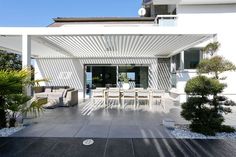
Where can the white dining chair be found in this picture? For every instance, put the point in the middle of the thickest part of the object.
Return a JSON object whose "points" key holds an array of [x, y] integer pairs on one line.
{"points": [[113, 94], [99, 94], [143, 95], [158, 95], [129, 94]]}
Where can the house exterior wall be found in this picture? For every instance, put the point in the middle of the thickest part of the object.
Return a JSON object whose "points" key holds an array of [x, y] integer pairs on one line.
{"points": [[218, 18], [70, 72], [214, 16]]}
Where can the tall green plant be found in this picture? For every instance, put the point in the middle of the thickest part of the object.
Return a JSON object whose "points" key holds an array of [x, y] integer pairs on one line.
{"points": [[205, 105], [10, 61], [14, 105], [211, 48], [11, 82], [216, 66]]}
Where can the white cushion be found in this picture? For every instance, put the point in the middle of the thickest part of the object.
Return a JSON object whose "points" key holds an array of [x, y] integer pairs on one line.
{"points": [[48, 90]]}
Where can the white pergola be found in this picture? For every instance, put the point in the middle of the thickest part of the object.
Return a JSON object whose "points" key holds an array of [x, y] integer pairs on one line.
{"points": [[98, 41], [95, 41]]}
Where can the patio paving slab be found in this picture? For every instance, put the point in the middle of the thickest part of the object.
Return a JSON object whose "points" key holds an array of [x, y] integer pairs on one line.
{"points": [[63, 130], [73, 147], [12, 147], [119, 148], [122, 131], [37, 148], [103, 123], [94, 131], [154, 131], [156, 147], [106, 147]]}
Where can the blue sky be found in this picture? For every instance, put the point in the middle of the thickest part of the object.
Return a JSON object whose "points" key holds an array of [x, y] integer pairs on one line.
{"points": [[41, 12]]}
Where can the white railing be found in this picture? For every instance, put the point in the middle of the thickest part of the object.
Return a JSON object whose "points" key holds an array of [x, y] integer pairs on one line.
{"points": [[166, 20]]}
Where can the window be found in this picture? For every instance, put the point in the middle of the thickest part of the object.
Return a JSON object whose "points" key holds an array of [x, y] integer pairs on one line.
{"points": [[192, 58], [175, 62]]}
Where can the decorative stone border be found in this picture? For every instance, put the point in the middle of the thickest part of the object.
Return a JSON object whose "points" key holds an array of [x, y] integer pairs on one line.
{"points": [[9, 131]]}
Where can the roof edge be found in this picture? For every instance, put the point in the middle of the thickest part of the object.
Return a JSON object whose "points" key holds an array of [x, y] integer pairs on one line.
{"points": [[101, 19]]}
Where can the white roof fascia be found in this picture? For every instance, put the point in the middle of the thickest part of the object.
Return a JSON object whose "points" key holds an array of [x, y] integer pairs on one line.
{"points": [[91, 30]]}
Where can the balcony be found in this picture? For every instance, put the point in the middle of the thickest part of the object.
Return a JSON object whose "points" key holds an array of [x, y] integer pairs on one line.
{"points": [[166, 20]]}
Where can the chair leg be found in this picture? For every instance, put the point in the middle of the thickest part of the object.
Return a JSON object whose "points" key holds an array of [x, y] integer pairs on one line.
{"points": [[150, 105], [123, 103], [163, 103], [118, 103], [134, 104], [104, 103], [107, 102], [138, 103]]}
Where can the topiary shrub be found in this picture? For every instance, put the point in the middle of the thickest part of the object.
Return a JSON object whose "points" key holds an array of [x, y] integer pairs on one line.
{"points": [[204, 107]]}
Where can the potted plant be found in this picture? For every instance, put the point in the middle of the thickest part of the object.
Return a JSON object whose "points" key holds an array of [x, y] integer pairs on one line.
{"points": [[14, 106], [36, 86], [125, 81], [18, 105]]}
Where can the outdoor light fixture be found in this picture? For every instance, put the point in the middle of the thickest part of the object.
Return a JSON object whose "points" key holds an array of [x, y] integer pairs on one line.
{"points": [[88, 142]]}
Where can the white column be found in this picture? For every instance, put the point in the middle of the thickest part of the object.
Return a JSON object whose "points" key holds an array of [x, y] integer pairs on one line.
{"points": [[26, 51], [26, 57]]}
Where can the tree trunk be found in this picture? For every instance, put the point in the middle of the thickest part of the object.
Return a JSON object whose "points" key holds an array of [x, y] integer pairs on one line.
{"points": [[12, 122]]}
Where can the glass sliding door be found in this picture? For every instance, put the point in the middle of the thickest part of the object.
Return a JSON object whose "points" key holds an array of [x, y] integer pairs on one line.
{"points": [[137, 75], [114, 75], [104, 76], [100, 76]]}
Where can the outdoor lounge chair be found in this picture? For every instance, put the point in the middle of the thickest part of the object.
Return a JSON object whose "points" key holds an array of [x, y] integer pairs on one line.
{"points": [[59, 97], [70, 97]]}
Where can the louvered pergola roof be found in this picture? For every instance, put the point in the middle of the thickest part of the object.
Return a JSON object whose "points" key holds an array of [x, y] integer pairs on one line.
{"points": [[97, 41]]}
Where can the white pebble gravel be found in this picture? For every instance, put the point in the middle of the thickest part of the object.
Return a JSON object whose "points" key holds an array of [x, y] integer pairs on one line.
{"points": [[187, 134], [9, 131]]}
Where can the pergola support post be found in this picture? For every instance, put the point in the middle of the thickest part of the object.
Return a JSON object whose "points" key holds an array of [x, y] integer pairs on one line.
{"points": [[26, 59]]}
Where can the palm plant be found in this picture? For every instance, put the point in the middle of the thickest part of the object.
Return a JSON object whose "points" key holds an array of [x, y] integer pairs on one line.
{"points": [[12, 99], [11, 82], [15, 106], [19, 104]]}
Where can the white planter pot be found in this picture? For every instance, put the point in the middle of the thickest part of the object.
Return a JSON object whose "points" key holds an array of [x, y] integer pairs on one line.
{"points": [[126, 86]]}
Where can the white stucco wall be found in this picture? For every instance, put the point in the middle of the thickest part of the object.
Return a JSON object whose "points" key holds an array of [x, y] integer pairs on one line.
{"points": [[70, 72], [218, 18]]}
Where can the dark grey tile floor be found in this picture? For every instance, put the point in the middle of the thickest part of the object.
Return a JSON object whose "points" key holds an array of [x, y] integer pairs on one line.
{"points": [[92, 120], [103, 147], [86, 121]]}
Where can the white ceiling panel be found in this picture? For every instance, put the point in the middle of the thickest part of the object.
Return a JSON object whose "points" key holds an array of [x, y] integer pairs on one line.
{"points": [[120, 45], [125, 45]]}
